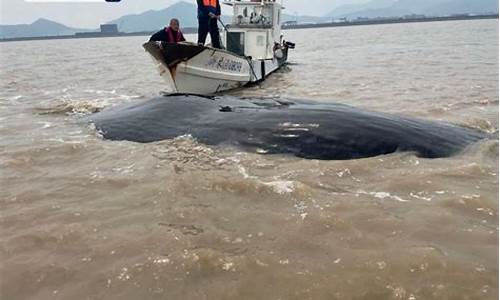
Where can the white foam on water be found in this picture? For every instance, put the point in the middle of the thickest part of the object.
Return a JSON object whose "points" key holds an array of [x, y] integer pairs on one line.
{"points": [[261, 151], [383, 195], [161, 260], [58, 140], [75, 107], [100, 92], [420, 196], [14, 98], [124, 275], [297, 129], [281, 187], [124, 170], [343, 173], [244, 172], [45, 125], [286, 135], [290, 125], [278, 186]]}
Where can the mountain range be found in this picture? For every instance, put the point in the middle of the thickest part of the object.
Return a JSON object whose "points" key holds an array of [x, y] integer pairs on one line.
{"points": [[186, 12], [41, 27], [397, 8], [155, 19]]}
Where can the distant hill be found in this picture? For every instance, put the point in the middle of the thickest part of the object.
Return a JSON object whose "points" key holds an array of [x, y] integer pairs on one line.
{"points": [[466, 6], [349, 9], [397, 8], [152, 20], [41, 27], [304, 19]]}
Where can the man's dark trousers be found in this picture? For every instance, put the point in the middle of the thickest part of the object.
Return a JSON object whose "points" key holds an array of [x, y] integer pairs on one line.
{"points": [[206, 25]]}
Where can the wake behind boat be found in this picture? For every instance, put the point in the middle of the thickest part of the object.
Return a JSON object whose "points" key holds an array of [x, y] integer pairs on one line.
{"points": [[254, 48]]}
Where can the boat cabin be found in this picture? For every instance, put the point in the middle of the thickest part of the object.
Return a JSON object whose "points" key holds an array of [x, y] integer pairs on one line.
{"points": [[255, 29]]}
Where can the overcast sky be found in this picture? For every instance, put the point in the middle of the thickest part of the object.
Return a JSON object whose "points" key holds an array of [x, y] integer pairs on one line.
{"points": [[91, 14]]}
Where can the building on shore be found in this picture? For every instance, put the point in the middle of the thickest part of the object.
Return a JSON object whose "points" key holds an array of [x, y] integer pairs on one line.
{"points": [[109, 28], [106, 30]]}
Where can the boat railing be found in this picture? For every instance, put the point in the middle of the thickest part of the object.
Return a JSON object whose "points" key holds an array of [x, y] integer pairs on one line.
{"points": [[253, 14]]}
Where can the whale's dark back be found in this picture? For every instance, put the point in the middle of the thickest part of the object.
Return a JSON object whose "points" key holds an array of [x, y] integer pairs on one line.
{"points": [[303, 128]]}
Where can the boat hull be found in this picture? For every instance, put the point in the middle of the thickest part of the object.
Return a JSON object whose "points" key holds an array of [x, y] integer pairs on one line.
{"points": [[194, 69]]}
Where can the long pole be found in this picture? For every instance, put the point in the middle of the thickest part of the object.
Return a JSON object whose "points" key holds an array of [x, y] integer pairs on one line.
{"points": [[223, 25]]}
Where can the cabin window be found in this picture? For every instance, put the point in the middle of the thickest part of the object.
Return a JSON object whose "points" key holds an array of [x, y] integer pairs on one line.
{"points": [[236, 42]]}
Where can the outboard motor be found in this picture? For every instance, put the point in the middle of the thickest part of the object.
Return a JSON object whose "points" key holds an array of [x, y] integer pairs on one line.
{"points": [[289, 45]]}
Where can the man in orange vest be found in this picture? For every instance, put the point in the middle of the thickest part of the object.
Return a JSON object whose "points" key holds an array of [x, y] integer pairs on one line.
{"points": [[208, 15]]}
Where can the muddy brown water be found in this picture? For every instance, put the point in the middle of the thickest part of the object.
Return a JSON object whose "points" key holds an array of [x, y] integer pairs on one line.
{"points": [[86, 218]]}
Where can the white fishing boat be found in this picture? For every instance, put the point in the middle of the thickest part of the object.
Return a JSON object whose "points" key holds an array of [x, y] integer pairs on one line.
{"points": [[254, 48]]}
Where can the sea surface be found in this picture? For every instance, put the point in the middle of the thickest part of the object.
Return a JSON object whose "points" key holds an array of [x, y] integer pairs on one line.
{"points": [[86, 218]]}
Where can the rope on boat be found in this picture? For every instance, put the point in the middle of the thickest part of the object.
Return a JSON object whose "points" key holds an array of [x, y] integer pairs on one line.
{"points": [[250, 64]]}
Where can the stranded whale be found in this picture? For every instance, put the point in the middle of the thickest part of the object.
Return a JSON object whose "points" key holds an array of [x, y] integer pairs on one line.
{"points": [[305, 129]]}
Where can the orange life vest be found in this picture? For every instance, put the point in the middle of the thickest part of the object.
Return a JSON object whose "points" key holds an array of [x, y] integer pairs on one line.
{"points": [[210, 3]]}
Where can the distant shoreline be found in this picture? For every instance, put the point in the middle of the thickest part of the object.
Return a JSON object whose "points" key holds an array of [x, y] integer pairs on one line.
{"points": [[189, 30], [391, 21], [89, 35]]}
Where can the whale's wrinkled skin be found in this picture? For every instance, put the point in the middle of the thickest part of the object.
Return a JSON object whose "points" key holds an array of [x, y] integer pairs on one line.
{"points": [[302, 128]]}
